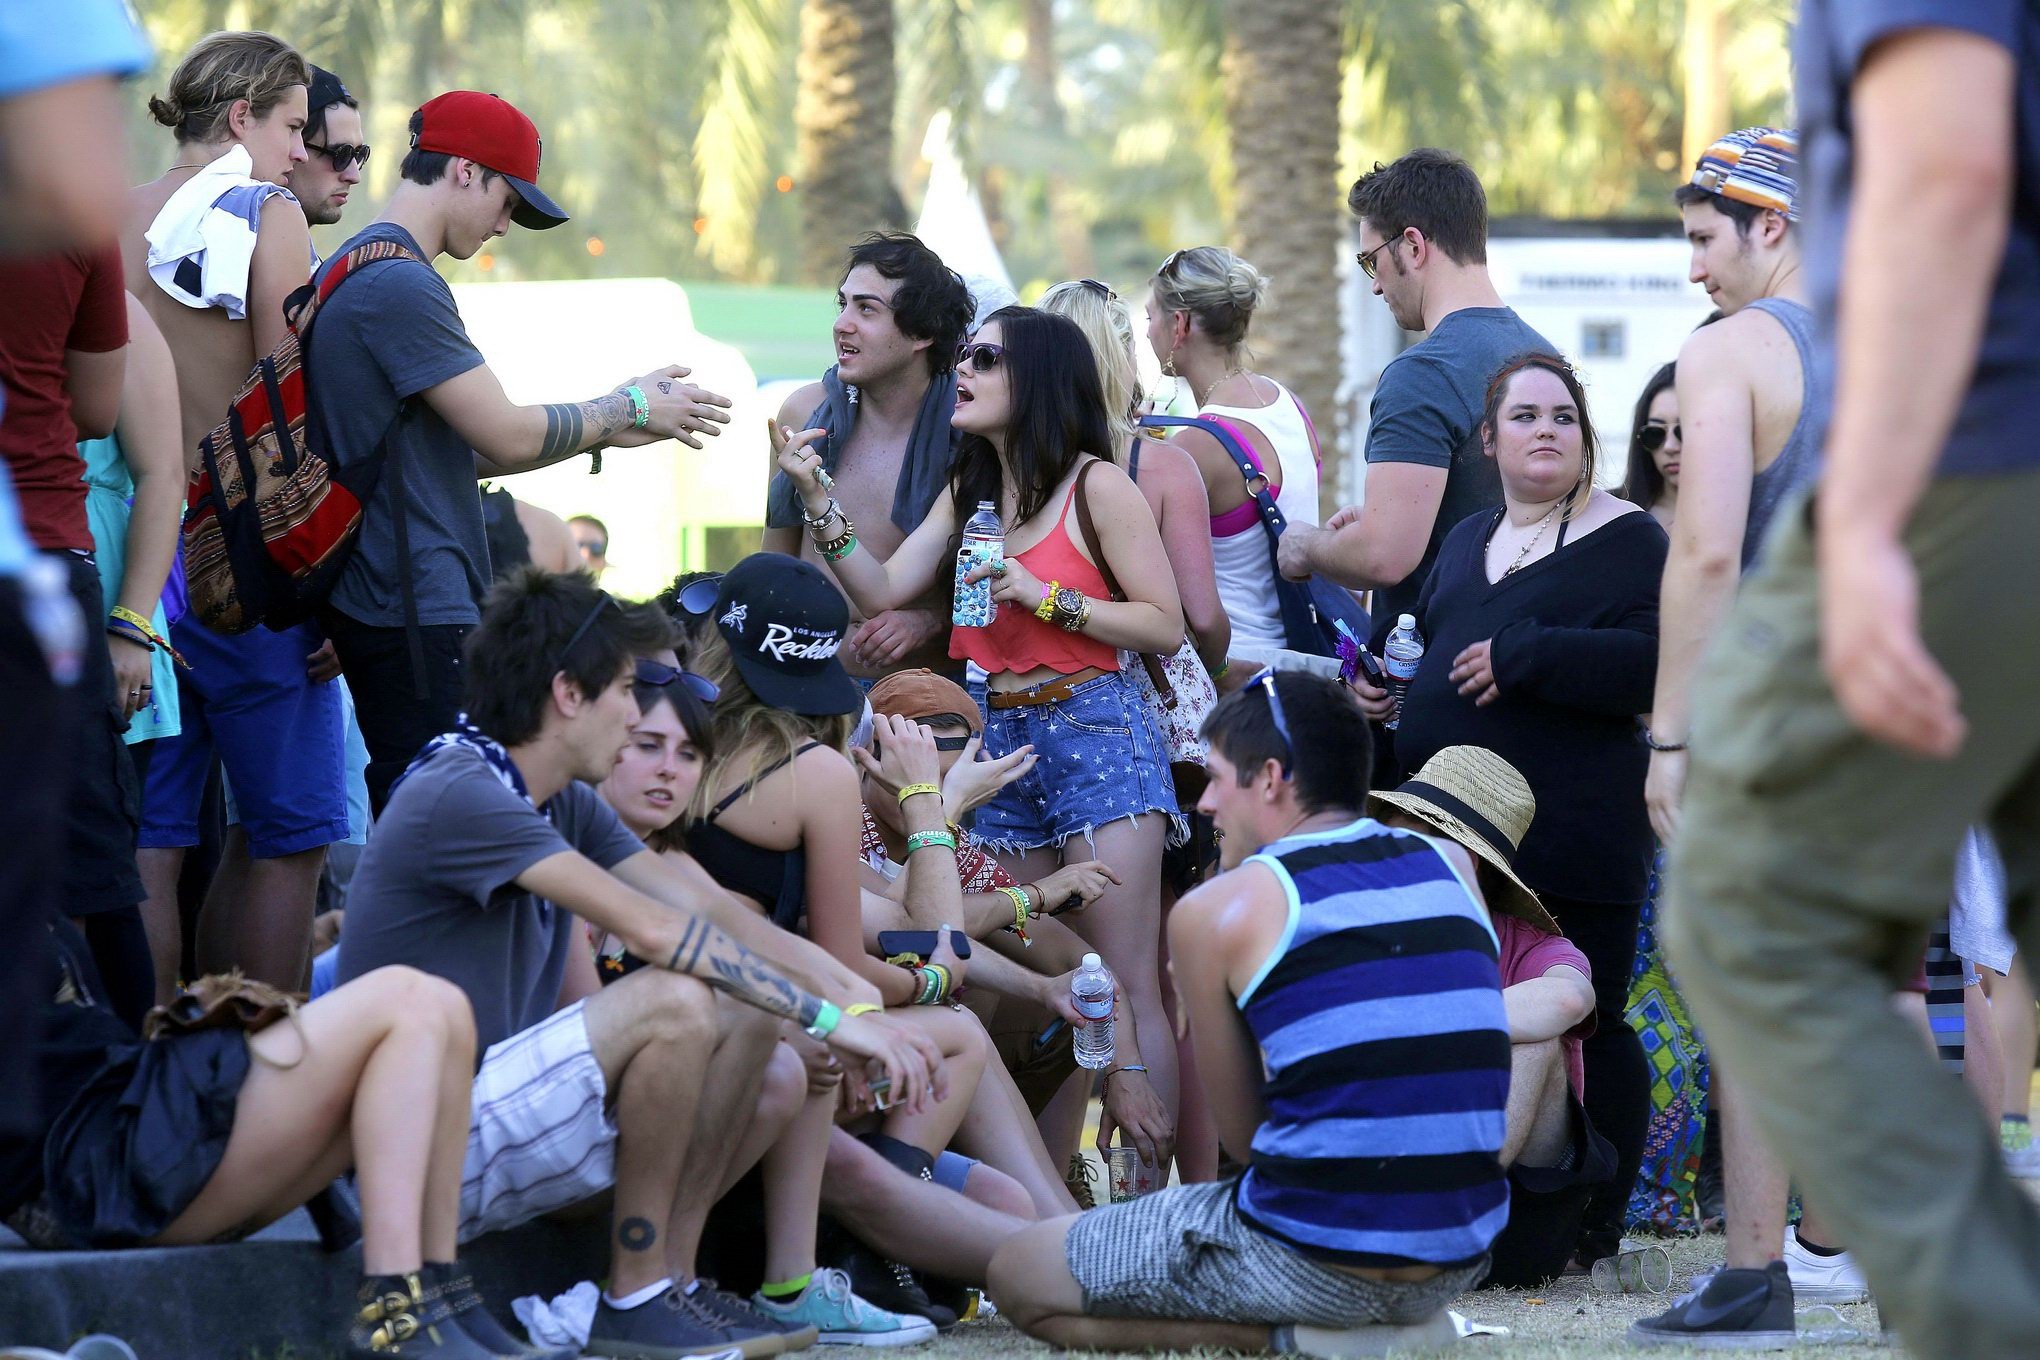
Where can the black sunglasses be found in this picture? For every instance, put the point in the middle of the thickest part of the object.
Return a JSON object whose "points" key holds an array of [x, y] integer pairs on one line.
{"points": [[659, 675], [607, 601], [956, 741], [1365, 259], [1267, 682], [696, 599], [982, 356], [1651, 438], [342, 155], [1101, 289]]}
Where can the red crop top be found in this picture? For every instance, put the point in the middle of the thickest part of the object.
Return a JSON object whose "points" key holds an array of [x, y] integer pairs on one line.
{"points": [[1016, 641]]}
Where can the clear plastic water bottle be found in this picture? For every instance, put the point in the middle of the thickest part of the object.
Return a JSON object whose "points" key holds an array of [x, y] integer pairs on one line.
{"points": [[984, 540], [1091, 992], [1399, 657]]}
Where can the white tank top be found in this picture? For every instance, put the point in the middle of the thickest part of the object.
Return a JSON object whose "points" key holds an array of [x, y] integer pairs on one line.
{"points": [[1246, 576]]}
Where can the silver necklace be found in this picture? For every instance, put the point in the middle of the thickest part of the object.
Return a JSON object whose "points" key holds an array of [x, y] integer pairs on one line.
{"points": [[1535, 539]]}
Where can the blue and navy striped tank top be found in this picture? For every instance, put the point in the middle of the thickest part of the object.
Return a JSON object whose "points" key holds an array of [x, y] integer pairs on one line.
{"points": [[1385, 1050]]}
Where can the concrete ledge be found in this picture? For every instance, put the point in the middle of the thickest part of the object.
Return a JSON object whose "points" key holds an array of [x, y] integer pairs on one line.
{"points": [[273, 1296]]}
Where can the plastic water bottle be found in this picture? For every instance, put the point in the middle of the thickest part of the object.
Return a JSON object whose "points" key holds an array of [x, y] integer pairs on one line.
{"points": [[984, 540], [1399, 657], [1091, 992]]}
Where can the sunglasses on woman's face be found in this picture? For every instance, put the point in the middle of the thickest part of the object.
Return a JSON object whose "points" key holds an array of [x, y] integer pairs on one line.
{"points": [[982, 356], [659, 675], [1651, 438]]}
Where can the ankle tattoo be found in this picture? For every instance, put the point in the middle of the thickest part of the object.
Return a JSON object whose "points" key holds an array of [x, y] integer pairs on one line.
{"points": [[637, 1234]]}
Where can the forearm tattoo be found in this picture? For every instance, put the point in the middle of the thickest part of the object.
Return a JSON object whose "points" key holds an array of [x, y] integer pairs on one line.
{"points": [[706, 952], [573, 426]]}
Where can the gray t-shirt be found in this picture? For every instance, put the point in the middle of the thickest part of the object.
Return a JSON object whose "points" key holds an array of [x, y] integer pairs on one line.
{"points": [[1993, 429], [390, 332], [436, 888], [1427, 410]]}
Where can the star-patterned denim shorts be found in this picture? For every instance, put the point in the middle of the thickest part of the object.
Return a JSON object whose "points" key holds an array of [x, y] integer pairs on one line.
{"points": [[1098, 757]]}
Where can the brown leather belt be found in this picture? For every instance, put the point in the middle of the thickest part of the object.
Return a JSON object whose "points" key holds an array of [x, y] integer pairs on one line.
{"points": [[1047, 692]]}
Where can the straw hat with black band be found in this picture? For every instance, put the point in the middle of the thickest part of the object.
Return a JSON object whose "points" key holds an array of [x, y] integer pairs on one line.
{"points": [[1480, 800]]}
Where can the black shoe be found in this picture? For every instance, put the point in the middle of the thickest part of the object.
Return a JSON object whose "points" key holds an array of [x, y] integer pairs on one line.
{"points": [[1710, 1203], [670, 1327], [1733, 1310], [737, 1315], [396, 1318], [453, 1283], [891, 1286], [336, 1214]]}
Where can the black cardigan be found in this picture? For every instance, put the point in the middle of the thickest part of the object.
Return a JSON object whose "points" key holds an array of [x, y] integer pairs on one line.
{"points": [[1575, 661]]}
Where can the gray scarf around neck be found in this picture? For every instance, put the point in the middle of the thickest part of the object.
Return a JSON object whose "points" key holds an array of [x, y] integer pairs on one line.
{"points": [[924, 472]]}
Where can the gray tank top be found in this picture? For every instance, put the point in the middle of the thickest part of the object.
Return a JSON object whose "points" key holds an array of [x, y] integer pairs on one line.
{"points": [[1799, 461]]}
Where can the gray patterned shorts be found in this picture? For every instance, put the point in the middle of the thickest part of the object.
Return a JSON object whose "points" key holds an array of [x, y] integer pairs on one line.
{"points": [[1185, 1253]]}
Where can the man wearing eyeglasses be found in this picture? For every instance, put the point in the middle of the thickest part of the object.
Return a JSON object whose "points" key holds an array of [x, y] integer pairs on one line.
{"points": [[336, 151], [1423, 233]]}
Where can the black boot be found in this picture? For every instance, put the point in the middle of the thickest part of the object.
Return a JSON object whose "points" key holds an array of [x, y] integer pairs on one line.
{"points": [[452, 1282], [395, 1318]]}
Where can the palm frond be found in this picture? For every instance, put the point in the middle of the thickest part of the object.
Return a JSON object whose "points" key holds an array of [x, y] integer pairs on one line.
{"points": [[744, 108]]}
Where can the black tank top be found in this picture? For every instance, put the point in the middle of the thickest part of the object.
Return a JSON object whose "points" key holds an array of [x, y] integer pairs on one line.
{"points": [[775, 878]]}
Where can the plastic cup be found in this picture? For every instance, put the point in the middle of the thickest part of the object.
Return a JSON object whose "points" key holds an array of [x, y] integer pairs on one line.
{"points": [[1646, 1270]]}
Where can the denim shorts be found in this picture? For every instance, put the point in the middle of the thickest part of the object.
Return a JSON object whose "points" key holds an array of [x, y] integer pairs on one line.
{"points": [[1098, 757]]}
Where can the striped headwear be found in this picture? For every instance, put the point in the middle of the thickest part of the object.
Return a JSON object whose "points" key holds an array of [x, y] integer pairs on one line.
{"points": [[1757, 165]]}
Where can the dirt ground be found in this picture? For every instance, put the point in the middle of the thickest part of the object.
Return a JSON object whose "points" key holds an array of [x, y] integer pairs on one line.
{"points": [[1567, 1321]]}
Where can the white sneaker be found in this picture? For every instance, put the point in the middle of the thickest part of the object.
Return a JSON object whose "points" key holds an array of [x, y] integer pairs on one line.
{"points": [[1823, 1279], [2025, 1163]]}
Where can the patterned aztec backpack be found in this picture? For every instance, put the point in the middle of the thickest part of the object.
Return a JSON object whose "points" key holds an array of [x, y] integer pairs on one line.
{"points": [[269, 521]]}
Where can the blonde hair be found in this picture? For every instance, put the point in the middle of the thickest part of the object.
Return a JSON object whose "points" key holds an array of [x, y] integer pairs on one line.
{"points": [[1218, 288], [745, 729], [222, 68], [1107, 323]]}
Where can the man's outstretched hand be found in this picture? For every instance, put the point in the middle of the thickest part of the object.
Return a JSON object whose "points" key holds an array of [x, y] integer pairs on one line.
{"points": [[1883, 675]]}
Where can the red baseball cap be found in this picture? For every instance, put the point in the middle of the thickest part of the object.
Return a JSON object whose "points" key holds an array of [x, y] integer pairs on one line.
{"points": [[489, 130]]}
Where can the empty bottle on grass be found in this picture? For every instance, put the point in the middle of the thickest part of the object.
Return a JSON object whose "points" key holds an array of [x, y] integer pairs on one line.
{"points": [[1091, 993], [984, 541], [1399, 657]]}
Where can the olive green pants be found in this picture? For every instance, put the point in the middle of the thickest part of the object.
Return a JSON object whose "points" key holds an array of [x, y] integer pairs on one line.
{"points": [[1812, 862]]}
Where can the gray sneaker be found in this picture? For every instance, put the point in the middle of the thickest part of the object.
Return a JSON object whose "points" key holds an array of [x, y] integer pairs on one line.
{"points": [[664, 1329], [740, 1315]]}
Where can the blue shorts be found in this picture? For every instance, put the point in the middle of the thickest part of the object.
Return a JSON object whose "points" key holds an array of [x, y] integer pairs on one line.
{"points": [[1098, 758], [278, 734], [358, 818]]}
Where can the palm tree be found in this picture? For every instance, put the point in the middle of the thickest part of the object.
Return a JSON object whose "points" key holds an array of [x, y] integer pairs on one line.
{"points": [[843, 123], [1281, 69]]}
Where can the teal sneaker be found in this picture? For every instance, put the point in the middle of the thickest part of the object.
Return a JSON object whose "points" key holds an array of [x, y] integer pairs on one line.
{"points": [[843, 1319]]}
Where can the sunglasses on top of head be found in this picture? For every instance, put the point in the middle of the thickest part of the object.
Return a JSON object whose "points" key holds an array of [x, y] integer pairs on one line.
{"points": [[696, 599], [341, 155], [659, 675], [981, 355]]}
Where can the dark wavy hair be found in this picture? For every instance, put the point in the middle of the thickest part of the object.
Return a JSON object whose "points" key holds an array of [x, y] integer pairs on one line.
{"points": [[932, 302], [521, 643], [1491, 408], [1058, 413], [1644, 484]]}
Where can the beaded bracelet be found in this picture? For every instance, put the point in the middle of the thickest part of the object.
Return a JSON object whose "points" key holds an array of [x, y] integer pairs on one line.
{"points": [[1046, 609], [640, 408], [922, 840], [909, 790]]}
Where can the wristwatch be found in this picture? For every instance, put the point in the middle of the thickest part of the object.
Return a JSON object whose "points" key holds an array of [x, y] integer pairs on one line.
{"points": [[1069, 607]]}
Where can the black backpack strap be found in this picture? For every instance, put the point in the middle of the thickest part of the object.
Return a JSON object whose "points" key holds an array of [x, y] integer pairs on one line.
{"points": [[407, 581]]}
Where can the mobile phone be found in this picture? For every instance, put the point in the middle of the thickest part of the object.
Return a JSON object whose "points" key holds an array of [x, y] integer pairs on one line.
{"points": [[1048, 1033], [920, 943], [1371, 668]]}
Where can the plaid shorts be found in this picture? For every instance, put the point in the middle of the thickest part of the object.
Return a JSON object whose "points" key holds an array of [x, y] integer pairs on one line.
{"points": [[1185, 1253], [540, 1137]]}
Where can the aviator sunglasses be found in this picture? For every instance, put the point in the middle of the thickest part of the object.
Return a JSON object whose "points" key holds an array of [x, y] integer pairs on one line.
{"points": [[1651, 438]]}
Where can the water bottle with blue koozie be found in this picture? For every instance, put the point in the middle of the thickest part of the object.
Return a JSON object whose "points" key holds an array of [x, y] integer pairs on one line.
{"points": [[1091, 994], [984, 542], [1399, 657]]}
